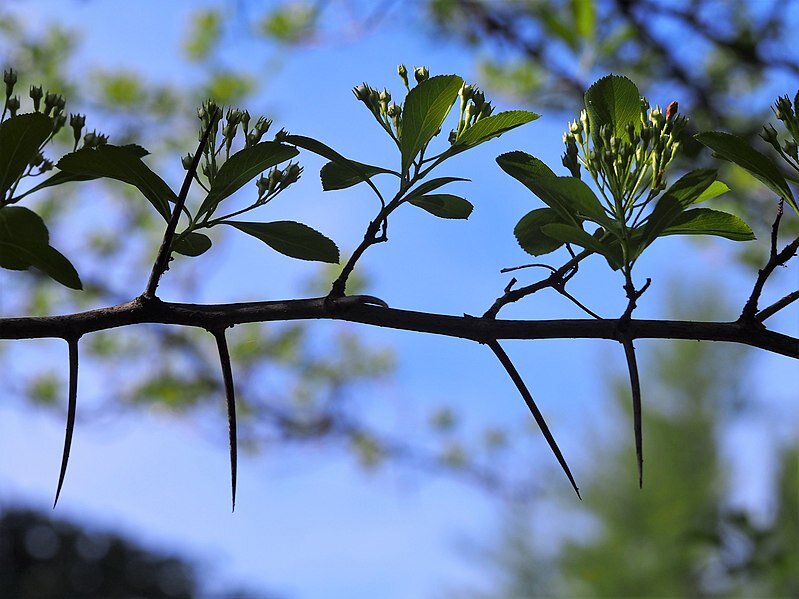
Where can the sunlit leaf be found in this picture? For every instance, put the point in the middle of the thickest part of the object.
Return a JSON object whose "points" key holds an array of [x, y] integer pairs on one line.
{"points": [[704, 221], [490, 127], [614, 101], [426, 106]]}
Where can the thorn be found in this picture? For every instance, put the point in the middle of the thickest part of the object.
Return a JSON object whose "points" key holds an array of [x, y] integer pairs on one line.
{"points": [[528, 399], [227, 377], [635, 387], [71, 409]]}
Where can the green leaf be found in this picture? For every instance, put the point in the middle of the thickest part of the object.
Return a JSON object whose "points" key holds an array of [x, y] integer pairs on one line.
{"points": [[122, 164], [716, 189], [62, 177], [572, 199], [704, 221], [317, 147], [24, 242], [490, 127], [736, 149], [614, 101], [684, 192], [292, 239], [193, 244], [243, 167], [430, 185], [340, 176], [444, 205], [20, 139], [426, 106], [574, 235], [531, 237]]}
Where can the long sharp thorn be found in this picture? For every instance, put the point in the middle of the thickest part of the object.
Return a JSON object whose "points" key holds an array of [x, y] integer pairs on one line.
{"points": [[227, 377], [635, 387], [72, 402], [528, 399]]}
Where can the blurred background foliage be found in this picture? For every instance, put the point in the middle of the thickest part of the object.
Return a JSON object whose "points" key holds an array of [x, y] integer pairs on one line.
{"points": [[725, 59]]}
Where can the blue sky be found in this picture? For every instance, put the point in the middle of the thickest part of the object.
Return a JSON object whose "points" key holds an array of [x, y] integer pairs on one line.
{"points": [[313, 525]]}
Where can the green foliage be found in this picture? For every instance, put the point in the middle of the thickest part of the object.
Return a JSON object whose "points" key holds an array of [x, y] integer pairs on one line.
{"points": [[424, 111], [292, 239], [21, 138], [615, 102], [737, 150], [444, 205]]}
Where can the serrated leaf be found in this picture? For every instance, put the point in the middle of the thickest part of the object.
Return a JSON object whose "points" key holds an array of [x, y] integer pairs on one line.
{"points": [[243, 167], [614, 101], [572, 199], [62, 177], [325, 151], [122, 164], [704, 221], [490, 127], [684, 192], [339, 176], [20, 139], [431, 185], [576, 236], [530, 236], [425, 108], [193, 244], [737, 150], [292, 239], [444, 205], [24, 242]]}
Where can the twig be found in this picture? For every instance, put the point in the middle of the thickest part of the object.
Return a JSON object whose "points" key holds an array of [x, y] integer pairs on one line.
{"points": [[162, 259], [777, 306], [528, 399], [72, 402]]}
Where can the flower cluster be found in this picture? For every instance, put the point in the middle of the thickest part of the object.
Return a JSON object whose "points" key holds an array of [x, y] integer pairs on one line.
{"points": [[625, 166], [473, 107]]}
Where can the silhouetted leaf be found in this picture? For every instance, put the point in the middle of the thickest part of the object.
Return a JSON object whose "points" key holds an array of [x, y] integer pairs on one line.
{"points": [[292, 239], [430, 185], [20, 139], [444, 205], [241, 168], [122, 164], [530, 236], [24, 242], [737, 150], [340, 176], [193, 244]]}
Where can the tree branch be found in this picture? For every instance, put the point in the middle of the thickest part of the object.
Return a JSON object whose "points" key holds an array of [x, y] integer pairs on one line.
{"points": [[364, 310]]}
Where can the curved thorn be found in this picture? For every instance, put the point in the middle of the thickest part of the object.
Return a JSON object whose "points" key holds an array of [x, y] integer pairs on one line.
{"points": [[635, 387], [528, 399], [227, 377], [72, 402]]}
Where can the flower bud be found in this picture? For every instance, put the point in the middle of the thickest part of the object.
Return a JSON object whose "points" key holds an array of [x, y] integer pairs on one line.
{"points": [[281, 135], [186, 161], [13, 105], [585, 122], [10, 79], [36, 96], [37, 159], [362, 92], [671, 110], [90, 139], [291, 174], [769, 135], [791, 149], [466, 92], [50, 102], [479, 99], [46, 165], [58, 122], [402, 71], [486, 110], [420, 74], [453, 137], [783, 109]]}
